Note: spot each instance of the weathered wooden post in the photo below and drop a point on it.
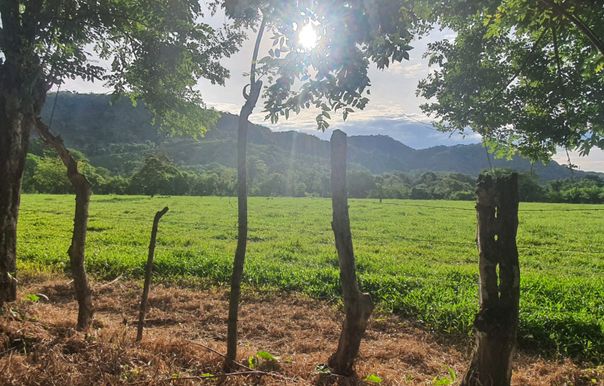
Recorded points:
(77, 249)
(148, 274)
(357, 305)
(496, 323)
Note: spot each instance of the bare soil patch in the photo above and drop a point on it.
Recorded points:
(39, 346)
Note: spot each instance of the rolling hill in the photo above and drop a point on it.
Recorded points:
(118, 135)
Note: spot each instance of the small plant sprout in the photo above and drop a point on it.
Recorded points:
(445, 380)
(373, 378)
(262, 359)
(32, 298)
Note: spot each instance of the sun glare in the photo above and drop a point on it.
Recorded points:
(307, 37)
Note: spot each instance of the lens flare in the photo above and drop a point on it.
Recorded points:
(307, 37)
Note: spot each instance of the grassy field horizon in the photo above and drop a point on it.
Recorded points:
(417, 258)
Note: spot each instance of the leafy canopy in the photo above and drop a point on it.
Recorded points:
(332, 76)
(154, 50)
(527, 75)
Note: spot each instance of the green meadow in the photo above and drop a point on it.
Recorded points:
(418, 259)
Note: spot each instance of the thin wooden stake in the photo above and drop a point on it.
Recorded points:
(148, 272)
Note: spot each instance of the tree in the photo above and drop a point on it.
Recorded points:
(332, 77)
(360, 184)
(158, 175)
(255, 87)
(528, 75)
(157, 51)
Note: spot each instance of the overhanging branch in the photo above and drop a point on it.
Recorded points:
(577, 22)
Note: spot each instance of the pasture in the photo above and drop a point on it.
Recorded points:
(417, 258)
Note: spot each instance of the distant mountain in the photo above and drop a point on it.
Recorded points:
(117, 136)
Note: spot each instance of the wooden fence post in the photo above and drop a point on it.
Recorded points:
(77, 249)
(148, 273)
(358, 306)
(496, 324)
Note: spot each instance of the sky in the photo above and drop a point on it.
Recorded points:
(393, 110)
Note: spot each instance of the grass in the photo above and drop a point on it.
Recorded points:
(416, 258)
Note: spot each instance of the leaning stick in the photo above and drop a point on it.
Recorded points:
(148, 272)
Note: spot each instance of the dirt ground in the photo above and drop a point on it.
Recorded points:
(187, 326)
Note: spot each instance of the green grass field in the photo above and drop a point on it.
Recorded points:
(417, 258)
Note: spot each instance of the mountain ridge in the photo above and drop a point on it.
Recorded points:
(89, 123)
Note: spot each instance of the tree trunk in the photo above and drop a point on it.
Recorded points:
(148, 273)
(17, 118)
(358, 306)
(496, 324)
(22, 94)
(237, 275)
(77, 249)
(14, 136)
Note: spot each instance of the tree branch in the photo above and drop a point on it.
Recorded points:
(256, 49)
(57, 144)
(584, 28)
(521, 69)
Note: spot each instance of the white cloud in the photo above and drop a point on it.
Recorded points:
(232, 108)
(593, 162)
(407, 70)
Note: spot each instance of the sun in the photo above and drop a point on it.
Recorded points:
(307, 37)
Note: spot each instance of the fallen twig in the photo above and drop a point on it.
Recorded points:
(103, 286)
(7, 351)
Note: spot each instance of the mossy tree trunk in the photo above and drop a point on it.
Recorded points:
(496, 324)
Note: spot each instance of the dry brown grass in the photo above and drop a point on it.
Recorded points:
(38, 345)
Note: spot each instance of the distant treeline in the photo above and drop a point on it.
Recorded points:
(44, 173)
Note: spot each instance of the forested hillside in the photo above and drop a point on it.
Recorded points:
(124, 153)
(104, 131)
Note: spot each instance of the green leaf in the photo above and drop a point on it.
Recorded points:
(32, 298)
(266, 356)
(600, 66)
(452, 373)
(373, 378)
(252, 361)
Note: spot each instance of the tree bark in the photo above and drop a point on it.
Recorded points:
(22, 95)
(14, 136)
(358, 306)
(148, 273)
(246, 110)
(496, 324)
(77, 249)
